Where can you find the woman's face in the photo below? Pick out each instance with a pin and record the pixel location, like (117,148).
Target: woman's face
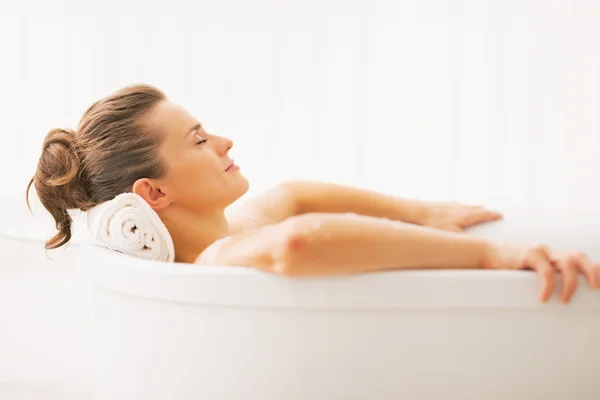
(198,174)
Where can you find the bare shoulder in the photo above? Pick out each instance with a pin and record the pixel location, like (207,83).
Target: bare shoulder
(255,225)
(210,255)
(272,206)
(250,247)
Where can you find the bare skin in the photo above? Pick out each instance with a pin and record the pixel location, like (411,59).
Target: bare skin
(315,228)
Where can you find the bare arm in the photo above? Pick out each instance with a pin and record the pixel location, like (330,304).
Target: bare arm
(310,197)
(329,244)
(304,197)
(293,198)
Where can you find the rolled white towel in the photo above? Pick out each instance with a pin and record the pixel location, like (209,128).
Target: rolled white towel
(129,225)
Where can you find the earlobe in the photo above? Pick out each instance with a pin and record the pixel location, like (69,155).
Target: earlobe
(152,194)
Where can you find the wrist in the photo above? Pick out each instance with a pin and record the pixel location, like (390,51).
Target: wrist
(471,252)
(488,250)
(422,215)
(412,211)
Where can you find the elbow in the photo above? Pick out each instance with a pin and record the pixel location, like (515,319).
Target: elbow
(293,254)
(289,260)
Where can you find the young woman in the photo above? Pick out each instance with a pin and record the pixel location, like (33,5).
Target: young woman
(138,141)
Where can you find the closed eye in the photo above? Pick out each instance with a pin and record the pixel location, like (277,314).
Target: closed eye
(202,141)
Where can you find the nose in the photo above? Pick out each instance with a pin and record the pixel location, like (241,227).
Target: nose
(223,145)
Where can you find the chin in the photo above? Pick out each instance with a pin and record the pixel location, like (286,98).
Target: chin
(244,186)
(241,188)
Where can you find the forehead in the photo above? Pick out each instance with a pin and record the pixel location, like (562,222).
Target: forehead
(170,119)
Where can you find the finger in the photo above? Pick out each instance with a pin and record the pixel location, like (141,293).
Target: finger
(482,208)
(476,207)
(587,269)
(569,269)
(478,217)
(547,273)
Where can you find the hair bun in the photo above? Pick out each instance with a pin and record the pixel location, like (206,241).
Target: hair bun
(59,157)
(58,182)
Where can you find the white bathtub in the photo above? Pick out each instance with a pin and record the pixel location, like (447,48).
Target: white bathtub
(45,314)
(189,332)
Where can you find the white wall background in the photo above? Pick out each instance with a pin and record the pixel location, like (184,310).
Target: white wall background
(493,102)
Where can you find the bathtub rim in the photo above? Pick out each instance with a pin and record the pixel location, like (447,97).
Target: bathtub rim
(408,289)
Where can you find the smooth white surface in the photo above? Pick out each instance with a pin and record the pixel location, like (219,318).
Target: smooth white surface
(45,315)
(174,331)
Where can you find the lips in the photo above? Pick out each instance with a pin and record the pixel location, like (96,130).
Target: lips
(230,166)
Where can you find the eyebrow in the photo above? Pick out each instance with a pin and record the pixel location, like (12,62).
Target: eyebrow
(194,128)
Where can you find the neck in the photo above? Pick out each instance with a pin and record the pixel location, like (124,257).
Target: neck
(192,233)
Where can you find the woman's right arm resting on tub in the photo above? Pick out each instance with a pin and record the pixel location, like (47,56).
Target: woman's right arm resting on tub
(334,244)
(330,244)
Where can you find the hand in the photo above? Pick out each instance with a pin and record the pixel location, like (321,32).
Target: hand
(547,263)
(455,217)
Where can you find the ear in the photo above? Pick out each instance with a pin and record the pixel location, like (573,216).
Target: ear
(150,191)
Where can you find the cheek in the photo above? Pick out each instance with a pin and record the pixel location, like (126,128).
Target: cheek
(195,175)
(179,174)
